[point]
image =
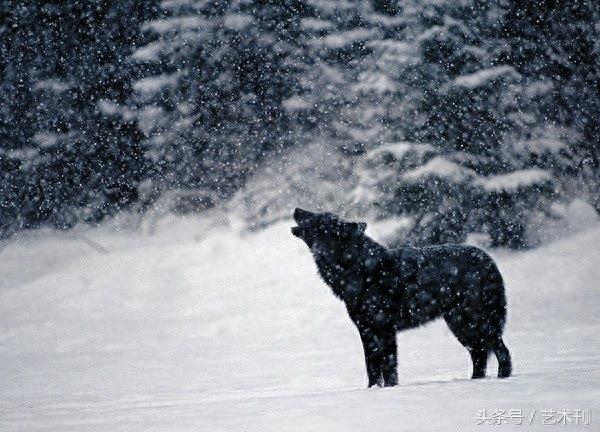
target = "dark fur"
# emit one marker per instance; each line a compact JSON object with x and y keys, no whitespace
{"x":386,"y":291}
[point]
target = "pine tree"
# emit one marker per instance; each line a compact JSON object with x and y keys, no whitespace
{"x":339,"y":44}
{"x":16,"y":103}
{"x":78,"y":157}
{"x":219,"y":76}
{"x":446,"y":86}
{"x":556,"y":42}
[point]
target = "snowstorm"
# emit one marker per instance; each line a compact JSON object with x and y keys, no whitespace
{"x":299,"y":215}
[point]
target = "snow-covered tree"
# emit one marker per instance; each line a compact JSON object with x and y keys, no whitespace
{"x":443,"y":86}
{"x":212,"y":101}
{"x":556,"y":43}
{"x":78,"y":156}
{"x":338,"y":40}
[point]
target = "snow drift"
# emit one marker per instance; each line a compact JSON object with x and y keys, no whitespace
{"x":199,"y":328}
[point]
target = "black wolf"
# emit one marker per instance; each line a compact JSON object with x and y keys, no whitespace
{"x":386,"y":291}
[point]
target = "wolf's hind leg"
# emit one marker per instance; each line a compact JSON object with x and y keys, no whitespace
{"x":503,"y":356}
{"x":466,"y":331}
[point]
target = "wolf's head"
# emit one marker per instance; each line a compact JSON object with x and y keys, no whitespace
{"x":325,"y":228}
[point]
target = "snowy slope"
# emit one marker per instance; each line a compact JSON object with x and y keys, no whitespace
{"x":185,"y":330}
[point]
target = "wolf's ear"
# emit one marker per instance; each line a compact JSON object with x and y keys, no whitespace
{"x":359,"y":227}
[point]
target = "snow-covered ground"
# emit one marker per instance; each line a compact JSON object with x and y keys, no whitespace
{"x":200,"y":328}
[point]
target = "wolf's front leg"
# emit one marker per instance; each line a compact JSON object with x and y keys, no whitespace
{"x":389,"y":361}
{"x":373,"y":349}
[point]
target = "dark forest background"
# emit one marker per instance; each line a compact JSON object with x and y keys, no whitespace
{"x":460,"y":116}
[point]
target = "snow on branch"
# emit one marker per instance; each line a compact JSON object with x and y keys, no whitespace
{"x":167,"y":25}
{"x":348,"y":38}
{"x":438,"y":167}
{"x":485,"y":76}
{"x":528,"y":178}
{"x":153,"y":84}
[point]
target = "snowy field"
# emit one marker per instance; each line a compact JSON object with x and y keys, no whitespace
{"x":200,"y":328}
